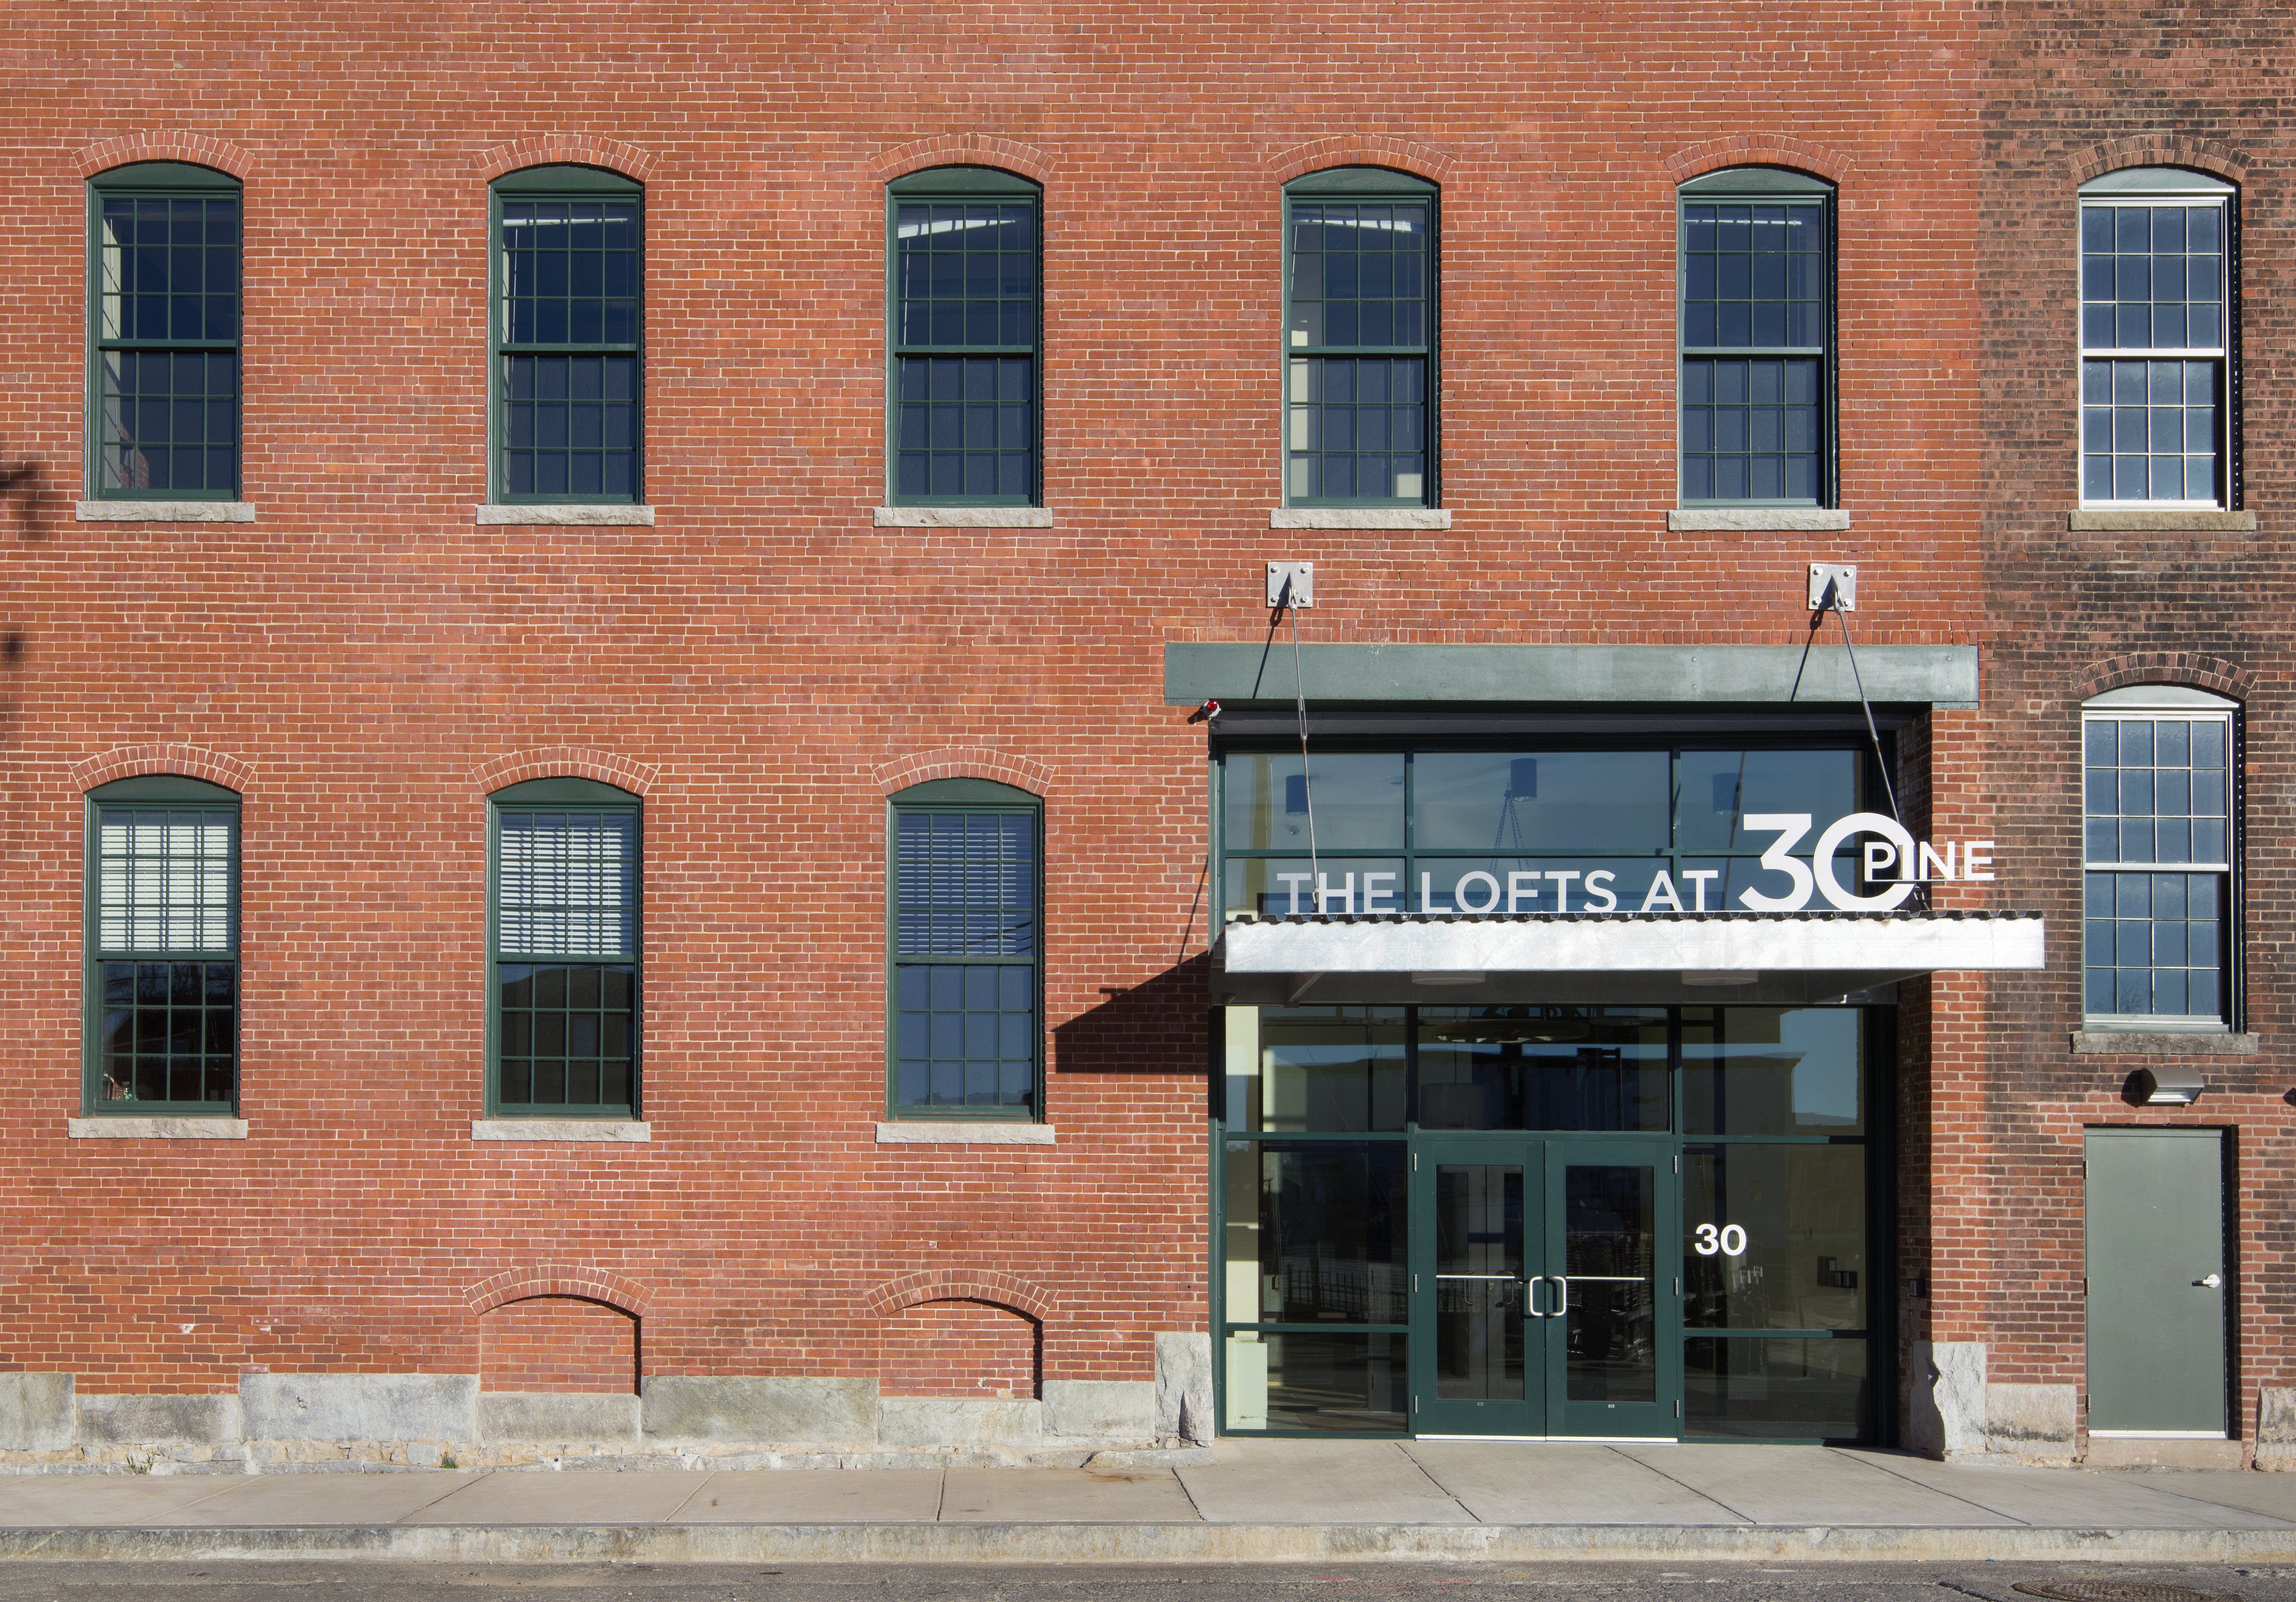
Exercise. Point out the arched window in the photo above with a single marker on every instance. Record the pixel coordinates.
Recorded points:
(162, 944)
(2160, 808)
(567, 276)
(163, 322)
(2160, 381)
(1359, 323)
(965, 308)
(563, 950)
(1757, 329)
(966, 960)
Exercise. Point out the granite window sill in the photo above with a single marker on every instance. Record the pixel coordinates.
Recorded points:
(163, 512)
(2168, 520)
(1358, 517)
(566, 517)
(963, 517)
(590, 1129)
(924, 1132)
(1758, 519)
(155, 1128)
(2165, 1043)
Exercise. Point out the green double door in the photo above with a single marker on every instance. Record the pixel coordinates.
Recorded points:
(1543, 1303)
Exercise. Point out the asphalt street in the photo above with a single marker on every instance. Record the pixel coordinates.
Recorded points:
(258, 1582)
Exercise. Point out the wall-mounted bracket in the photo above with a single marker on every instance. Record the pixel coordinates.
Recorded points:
(1291, 584)
(1843, 580)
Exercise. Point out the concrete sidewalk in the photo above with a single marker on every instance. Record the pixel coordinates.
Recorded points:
(1257, 1501)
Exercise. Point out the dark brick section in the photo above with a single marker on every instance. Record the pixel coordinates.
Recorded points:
(2073, 92)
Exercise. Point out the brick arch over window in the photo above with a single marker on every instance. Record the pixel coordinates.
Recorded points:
(553, 149)
(584, 1285)
(2212, 673)
(192, 762)
(561, 762)
(1022, 773)
(962, 150)
(165, 145)
(960, 1285)
(1359, 150)
(1757, 150)
(2157, 149)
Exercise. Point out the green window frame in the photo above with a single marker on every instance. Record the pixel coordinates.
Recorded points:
(161, 931)
(964, 991)
(1360, 320)
(963, 319)
(163, 333)
(1756, 327)
(566, 376)
(564, 1002)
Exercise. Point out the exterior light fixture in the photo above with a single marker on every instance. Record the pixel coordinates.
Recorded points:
(2163, 1087)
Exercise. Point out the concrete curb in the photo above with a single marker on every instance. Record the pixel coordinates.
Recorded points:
(923, 1543)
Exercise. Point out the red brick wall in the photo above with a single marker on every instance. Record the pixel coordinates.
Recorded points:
(558, 1343)
(764, 651)
(958, 1349)
(2075, 91)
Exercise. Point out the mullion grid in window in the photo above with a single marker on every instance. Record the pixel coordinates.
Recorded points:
(2154, 335)
(1357, 425)
(2158, 825)
(570, 330)
(964, 337)
(168, 321)
(167, 975)
(965, 969)
(1754, 332)
(566, 908)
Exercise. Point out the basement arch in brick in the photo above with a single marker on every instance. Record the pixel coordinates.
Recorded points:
(960, 1285)
(586, 1285)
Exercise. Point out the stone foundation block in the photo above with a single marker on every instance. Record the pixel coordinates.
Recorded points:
(359, 1406)
(683, 1408)
(157, 1420)
(558, 1419)
(1108, 1410)
(959, 1422)
(2035, 1422)
(1184, 1386)
(2123, 1451)
(36, 1412)
(1948, 1402)
(2275, 1429)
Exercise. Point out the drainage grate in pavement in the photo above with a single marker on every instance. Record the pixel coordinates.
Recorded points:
(2119, 1591)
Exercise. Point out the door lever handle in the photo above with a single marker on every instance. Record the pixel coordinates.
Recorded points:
(2211, 1281)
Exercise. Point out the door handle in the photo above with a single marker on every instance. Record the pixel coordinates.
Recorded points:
(1561, 1295)
(2210, 1282)
(1530, 1297)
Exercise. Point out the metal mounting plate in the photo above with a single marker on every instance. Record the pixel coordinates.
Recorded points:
(1842, 577)
(1300, 578)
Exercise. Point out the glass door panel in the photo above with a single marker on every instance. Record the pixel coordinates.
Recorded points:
(1478, 1219)
(1614, 1362)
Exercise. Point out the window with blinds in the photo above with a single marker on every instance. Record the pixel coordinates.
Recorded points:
(163, 970)
(966, 956)
(565, 958)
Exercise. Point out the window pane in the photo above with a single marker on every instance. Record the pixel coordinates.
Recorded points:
(567, 1034)
(1332, 1068)
(2150, 412)
(1752, 429)
(164, 880)
(1803, 1210)
(166, 423)
(1319, 1231)
(1357, 799)
(971, 430)
(1749, 1389)
(567, 885)
(1542, 1068)
(1315, 1383)
(1772, 1070)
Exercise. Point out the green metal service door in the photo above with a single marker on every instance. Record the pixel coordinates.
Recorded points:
(1478, 1308)
(2158, 1289)
(1613, 1365)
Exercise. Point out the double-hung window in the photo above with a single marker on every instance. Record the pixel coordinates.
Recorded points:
(163, 333)
(966, 957)
(567, 259)
(1757, 335)
(162, 940)
(563, 929)
(1359, 339)
(964, 265)
(2159, 379)
(2161, 805)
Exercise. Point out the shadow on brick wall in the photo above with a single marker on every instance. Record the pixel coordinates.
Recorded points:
(1154, 1027)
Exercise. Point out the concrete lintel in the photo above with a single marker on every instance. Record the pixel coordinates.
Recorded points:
(155, 1128)
(1734, 674)
(927, 1132)
(963, 517)
(2168, 520)
(358, 1406)
(1758, 519)
(558, 1419)
(612, 1130)
(157, 1420)
(1119, 1409)
(163, 512)
(2168, 1043)
(759, 1408)
(960, 1421)
(564, 517)
(1358, 517)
